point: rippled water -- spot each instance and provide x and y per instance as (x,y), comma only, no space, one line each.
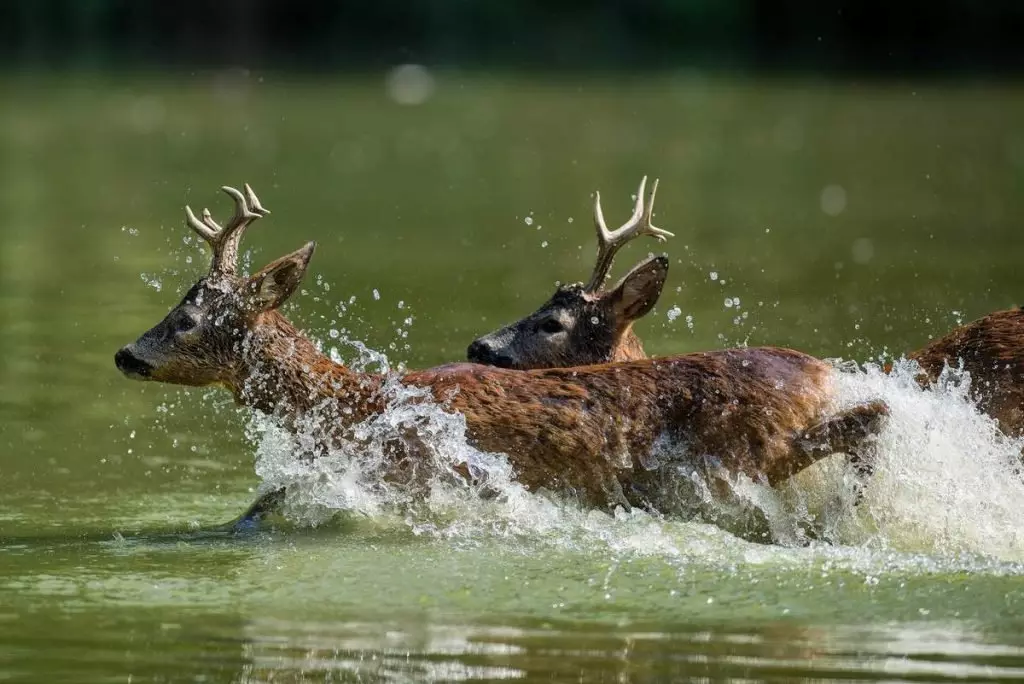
(109,570)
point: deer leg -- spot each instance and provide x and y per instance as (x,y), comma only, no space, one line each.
(262,507)
(850,432)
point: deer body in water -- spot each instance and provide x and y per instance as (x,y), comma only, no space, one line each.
(606,434)
(991,349)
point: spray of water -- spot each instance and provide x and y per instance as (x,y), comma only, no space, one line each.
(946,477)
(946,480)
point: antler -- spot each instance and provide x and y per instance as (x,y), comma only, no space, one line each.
(610,242)
(224,240)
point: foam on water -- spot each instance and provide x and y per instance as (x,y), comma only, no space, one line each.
(946,481)
(946,478)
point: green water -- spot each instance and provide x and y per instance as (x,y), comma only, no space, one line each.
(105,571)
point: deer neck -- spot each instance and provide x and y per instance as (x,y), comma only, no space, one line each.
(628,348)
(282,373)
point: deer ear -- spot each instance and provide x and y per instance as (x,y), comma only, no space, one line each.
(273,284)
(636,294)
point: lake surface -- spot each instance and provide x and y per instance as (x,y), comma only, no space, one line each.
(845,219)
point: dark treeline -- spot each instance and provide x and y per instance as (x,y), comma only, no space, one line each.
(873,36)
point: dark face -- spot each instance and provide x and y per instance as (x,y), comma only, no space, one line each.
(570,329)
(195,344)
(574,328)
(200,341)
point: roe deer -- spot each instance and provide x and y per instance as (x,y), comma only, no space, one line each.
(612,434)
(991,349)
(583,324)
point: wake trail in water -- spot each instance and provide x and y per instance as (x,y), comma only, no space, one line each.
(946,481)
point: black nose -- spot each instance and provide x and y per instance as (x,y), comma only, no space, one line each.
(478,352)
(481,352)
(129,364)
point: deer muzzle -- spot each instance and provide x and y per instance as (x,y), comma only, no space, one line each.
(131,365)
(481,351)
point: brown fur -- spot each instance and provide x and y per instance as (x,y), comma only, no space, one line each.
(992,351)
(627,348)
(587,430)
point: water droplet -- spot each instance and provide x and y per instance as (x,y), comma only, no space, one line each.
(528,220)
(675,312)
(713,275)
(152,281)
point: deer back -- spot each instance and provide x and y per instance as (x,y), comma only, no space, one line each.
(593,430)
(992,351)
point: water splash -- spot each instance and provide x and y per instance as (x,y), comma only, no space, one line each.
(946,480)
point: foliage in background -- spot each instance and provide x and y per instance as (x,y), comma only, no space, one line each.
(883,38)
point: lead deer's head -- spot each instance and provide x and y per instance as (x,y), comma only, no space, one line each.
(200,342)
(584,323)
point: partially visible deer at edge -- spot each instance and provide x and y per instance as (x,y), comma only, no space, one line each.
(581,323)
(991,349)
(608,434)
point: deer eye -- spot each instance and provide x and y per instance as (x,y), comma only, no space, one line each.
(184,322)
(551,326)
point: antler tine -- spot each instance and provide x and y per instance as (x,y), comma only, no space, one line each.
(610,242)
(225,240)
(254,201)
(201,227)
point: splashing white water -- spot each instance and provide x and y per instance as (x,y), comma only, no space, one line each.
(946,480)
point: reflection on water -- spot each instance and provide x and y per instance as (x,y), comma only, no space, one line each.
(202,647)
(444,652)
(833,219)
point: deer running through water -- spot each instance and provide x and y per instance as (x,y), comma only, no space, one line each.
(583,324)
(607,435)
